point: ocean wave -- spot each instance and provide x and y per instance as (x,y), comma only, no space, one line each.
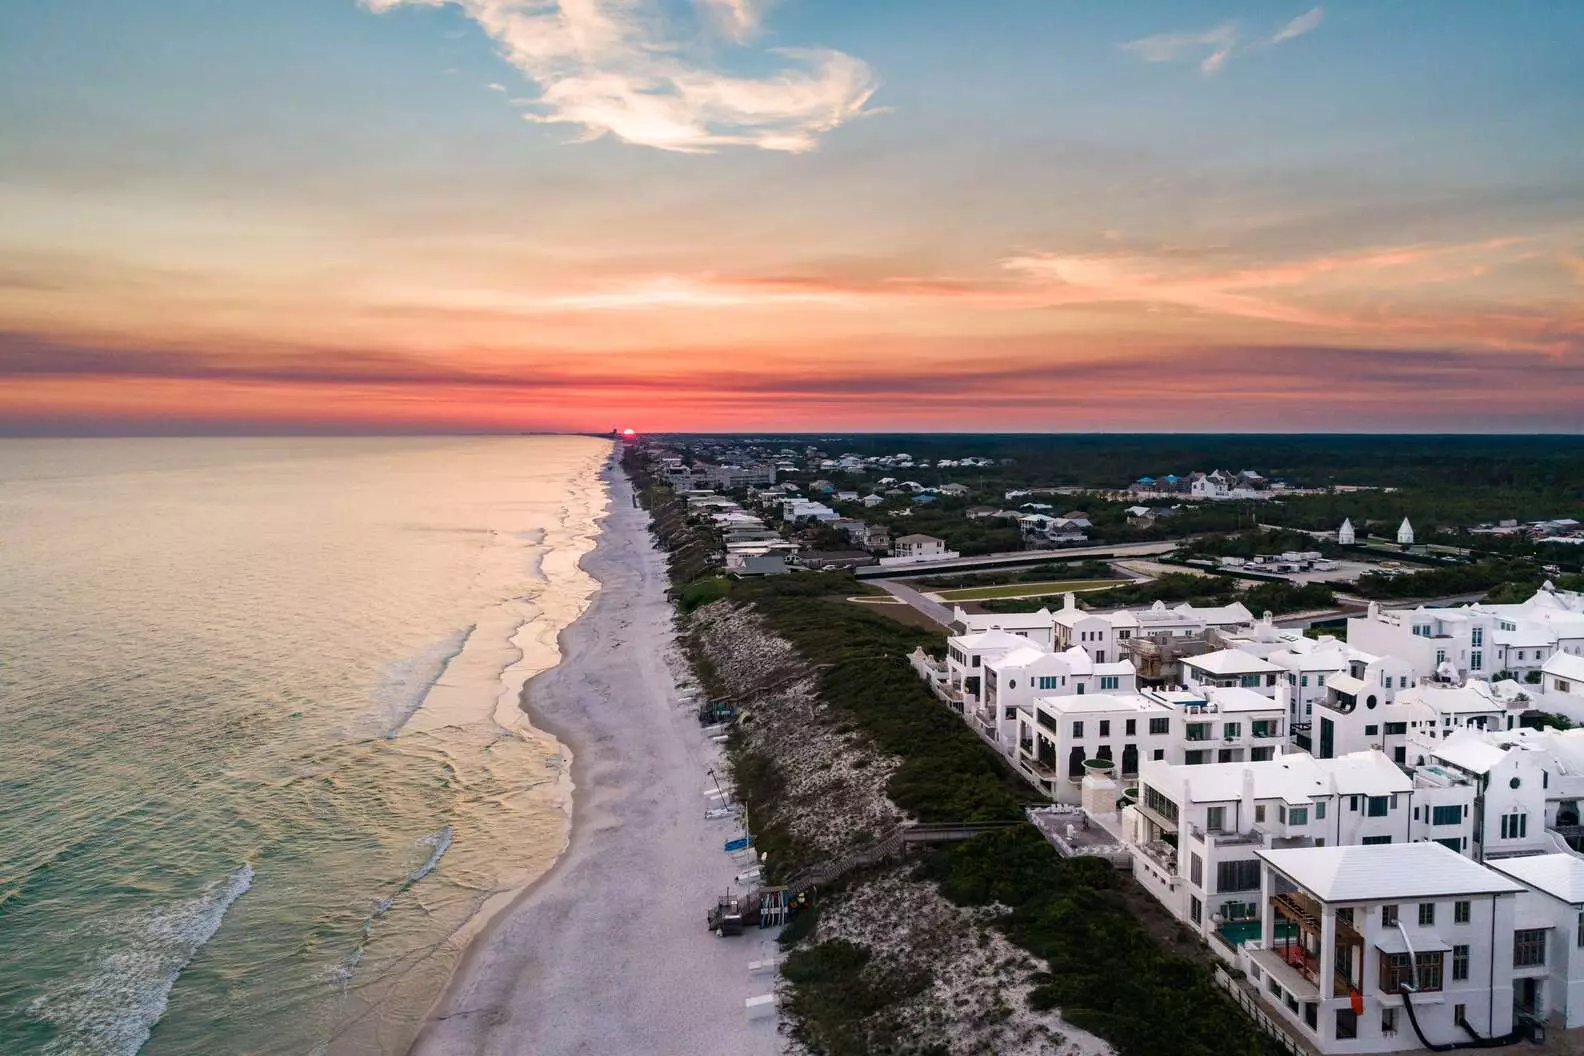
(440,841)
(114,1009)
(408,682)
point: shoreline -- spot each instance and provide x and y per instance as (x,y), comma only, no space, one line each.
(573,962)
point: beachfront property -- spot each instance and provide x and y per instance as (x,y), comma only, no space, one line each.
(1015,678)
(1226,668)
(1154,638)
(1057,736)
(1391,948)
(1038,627)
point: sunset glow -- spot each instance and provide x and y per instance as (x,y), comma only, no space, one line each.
(732,215)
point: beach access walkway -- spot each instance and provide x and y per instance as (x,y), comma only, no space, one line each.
(609,952)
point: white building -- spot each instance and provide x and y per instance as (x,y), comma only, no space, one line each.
(1223,725)
(1231,667)
(1345,534)
(1388,948)
(1553,903)
(966,656)
(1307,664)
(1038,627)
(1197,828)
(1014,679)
(1056,735)
(1405,533)
(1510,793)
(1442,643)
(910,549)
(1563,675)
(1360,709)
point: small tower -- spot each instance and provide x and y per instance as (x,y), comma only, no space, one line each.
(1345,533)
(1405,533)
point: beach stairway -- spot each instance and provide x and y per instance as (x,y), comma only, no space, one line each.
(894,844)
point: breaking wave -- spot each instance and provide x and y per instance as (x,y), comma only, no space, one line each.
(113,1011)
(440,840)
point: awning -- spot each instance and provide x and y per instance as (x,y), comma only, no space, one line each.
(1392,942)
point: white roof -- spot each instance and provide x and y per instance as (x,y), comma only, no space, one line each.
(1565,665)
(1236,698)
(984,621)
(1079,703)
(1230,662)
(1453,699)
(991,639)
(1295,777)
(1559,875)
(1346,684)
(1469,751)
(1386,872)
(1029,654)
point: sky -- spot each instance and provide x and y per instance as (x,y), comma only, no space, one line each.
(757,215)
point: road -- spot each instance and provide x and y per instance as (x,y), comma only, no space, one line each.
(933,609)
(1019,557)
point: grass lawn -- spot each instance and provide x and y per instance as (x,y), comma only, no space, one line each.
(1017,590)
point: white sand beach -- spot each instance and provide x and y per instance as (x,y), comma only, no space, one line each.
(608,952)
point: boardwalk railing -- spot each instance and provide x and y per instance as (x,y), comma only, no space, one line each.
(894,844)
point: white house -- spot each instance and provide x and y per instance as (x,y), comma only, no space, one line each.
(1231,667)
(1306,664)
(1038,627)
(1510,793)
(1223,724)
(1459,643)
(1015,678)
(1553,903)
(966,656)
(1057,734)
(1563,675)
(910,549)
(1345,534)
(1388,948)
(1360,710)
(1197,828)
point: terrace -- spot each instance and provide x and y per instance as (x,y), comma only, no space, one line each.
(1297,942)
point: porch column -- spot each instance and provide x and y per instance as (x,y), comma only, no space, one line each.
(1267,909)
(1327,951)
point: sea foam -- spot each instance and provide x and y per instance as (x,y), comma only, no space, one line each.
(113,1010)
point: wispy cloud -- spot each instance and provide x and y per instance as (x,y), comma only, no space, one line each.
(1222,42)
(610,67)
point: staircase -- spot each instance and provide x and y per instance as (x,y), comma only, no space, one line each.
(894,844)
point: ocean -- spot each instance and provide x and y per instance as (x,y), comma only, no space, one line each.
(263,767)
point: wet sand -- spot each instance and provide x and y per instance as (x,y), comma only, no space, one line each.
(608,952)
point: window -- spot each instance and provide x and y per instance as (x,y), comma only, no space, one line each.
(1397,970)
(1108,681)
(1388,916)
(1259,812)
(1196,758)
(1370,841)
(1346,1023)
(1579,939)
(1477,637)
(1446,815)
(1440,657)
(1353,803)
(1231,730)
(1297,815)
(1303,680)
(1105,727)
(1227,755)
(1077,730)
(1396,728)
(1476,660)
(1155,801)
(1371,731)
(1267,728)
(1196,870)
(1514,826)
(1047,681)
(1459,1014)
(1388,1021)
(1158,726)
(1320,813)
(1159,753)
(1238,876)
(1215,819)
(1529,947)
(1079,686)
(1009,713)
(1131,728)
(1249,681)
(1261,755)
(1320,681)
(1426,914)
(1198,731)
(1460,911)
(1195,910)
(1379,806)
(1459,963)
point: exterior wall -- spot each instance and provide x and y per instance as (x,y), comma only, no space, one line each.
(1467,641)
(1485,996)
(1047,721)
(1457,800)
(1500,799)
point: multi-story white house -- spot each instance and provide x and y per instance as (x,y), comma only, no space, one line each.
(1197,828)
(1106,636)
(1444,709)
(1014,679)
(1224,725)
(1038,627)
(1231,667)
(908,549)
(1553,903)
(1437,642)
(1361,710)
(1388,948)
(1509,810)
(1307,664)
(966,655)
(1056,734)
(1563,676)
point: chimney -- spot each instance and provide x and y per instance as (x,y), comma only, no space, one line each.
(1069,601)
(1246,807)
